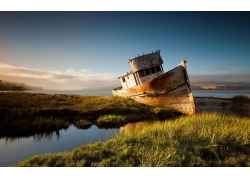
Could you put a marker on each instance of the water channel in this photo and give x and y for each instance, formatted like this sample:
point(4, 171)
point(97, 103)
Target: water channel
point(14, 150)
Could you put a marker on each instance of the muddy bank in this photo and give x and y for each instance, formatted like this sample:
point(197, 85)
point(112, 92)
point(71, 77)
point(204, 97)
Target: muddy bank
point(226, 106)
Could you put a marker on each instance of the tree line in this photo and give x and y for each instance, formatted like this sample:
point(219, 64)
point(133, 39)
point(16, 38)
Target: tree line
point(7, 86)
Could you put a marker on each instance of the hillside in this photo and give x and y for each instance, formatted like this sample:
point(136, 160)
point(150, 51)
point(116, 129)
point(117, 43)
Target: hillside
point(220, 85)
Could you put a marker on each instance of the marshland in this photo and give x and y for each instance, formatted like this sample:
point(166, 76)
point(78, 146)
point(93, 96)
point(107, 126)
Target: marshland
point(213, 137)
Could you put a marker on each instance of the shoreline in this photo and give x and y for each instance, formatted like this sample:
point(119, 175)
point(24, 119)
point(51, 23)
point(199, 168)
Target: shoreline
point(219, 104)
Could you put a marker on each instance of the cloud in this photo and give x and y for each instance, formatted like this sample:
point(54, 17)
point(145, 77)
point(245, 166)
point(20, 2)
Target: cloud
point(226, 67)
point(70, 80)
point(55, 79)
point(70, 70)
point(85, 71)
point(218, 68)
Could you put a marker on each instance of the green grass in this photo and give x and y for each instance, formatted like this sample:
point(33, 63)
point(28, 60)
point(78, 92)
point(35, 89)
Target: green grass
point(109, 120)
point(82, 124)
point(200, 140)
point(24, 114)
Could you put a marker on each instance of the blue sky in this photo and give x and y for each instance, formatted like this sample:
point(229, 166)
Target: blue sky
point(74, 50)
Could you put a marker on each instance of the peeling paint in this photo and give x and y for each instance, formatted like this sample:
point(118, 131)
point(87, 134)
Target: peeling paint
point(170, 90)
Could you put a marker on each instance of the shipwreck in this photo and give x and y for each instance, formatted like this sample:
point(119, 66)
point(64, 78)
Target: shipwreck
point(148, 84)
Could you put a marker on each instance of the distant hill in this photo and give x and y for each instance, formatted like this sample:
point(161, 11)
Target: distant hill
point(220, 85)
point(6, 86)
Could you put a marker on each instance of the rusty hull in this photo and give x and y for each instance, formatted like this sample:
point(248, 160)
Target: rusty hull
point(170, 90)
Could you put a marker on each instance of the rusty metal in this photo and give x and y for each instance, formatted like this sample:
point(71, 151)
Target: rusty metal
point(170, 90)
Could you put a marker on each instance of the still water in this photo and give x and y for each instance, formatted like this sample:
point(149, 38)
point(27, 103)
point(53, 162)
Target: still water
point(11, 152)
point(219, 93)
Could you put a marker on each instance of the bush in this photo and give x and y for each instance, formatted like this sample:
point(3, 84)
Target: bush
point(111, 120)
point(83, 124)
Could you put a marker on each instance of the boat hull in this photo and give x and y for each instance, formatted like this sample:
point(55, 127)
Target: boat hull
point(170, 90)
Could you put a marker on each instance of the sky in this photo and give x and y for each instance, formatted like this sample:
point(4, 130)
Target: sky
point(68, 50)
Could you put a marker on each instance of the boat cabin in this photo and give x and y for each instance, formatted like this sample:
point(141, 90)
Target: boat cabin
point(144, 68)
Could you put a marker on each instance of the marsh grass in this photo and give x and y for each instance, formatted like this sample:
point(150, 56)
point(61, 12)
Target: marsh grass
point(241, 98)
point(83, 124)
point(26, 114)
point(200, 140)
point(111, 120)
point(241, 104)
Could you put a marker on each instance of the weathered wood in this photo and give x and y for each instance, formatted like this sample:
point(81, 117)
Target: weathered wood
point(170, 90)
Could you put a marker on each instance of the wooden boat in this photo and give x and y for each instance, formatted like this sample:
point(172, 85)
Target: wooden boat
point(148, 84)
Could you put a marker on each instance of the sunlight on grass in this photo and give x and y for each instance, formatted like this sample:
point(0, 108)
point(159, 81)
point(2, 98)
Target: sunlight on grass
point(199, 140)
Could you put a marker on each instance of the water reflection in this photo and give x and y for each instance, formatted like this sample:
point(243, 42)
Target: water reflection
point(10, 137)
point(37, 137)
point(46, 136)
point(137, 126)
point(63, 140)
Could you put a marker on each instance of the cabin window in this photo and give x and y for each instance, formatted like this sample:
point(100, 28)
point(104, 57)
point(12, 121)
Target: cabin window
point(141, 73)
point(153, 70)
point(123, 79)
point(147, 71)
point(158, 68)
